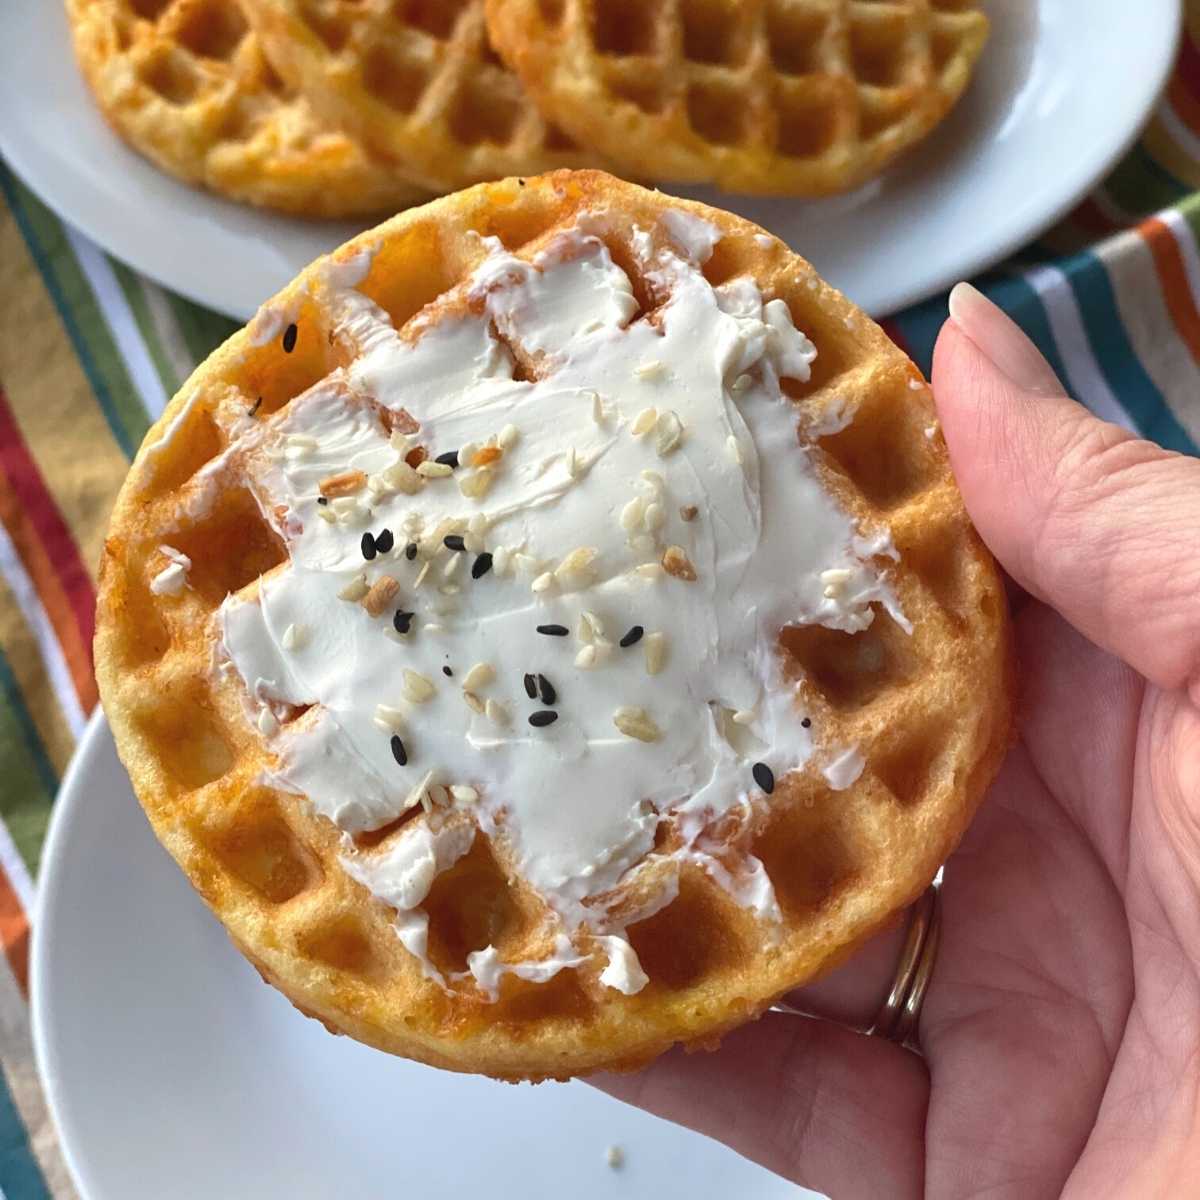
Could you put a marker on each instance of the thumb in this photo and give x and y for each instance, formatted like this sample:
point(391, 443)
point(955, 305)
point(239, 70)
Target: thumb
point(1098, 523)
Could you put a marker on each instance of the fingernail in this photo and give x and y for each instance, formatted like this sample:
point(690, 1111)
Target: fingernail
point(1001, 340)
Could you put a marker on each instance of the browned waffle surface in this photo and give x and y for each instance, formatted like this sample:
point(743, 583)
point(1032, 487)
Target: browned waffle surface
point(418, 81)
point(804, 97)
point(186, 84)
point(930, 711)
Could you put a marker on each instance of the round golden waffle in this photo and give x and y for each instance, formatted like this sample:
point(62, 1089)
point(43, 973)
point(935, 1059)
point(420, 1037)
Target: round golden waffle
point(418, 82)
point(800, 97)
point(930, 711)
point(186, 84)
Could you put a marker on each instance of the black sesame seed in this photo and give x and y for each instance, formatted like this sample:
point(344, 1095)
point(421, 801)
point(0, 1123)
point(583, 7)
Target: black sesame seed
point(398, 751)
point(253, 410)
point(384, 541)
point(542, 718)
point(368, 546)
point(546, 690)
point(530, 686)
point(402, 621)
point(764, 777)
point(553, 630)
point(410, 551)
point(449, 674)
point(632, 637)
point(322, 500)
point(449, 459)
point(806, 723)
point(481, 566)
point(454, 542)
point(289, 338)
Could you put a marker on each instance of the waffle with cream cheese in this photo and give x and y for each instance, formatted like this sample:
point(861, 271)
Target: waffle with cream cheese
point(418, 82)
point(550, 631)
point(186, 84)
point(801, 97)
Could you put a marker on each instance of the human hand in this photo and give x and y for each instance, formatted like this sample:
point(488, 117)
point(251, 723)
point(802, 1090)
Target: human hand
point(1061, 1031)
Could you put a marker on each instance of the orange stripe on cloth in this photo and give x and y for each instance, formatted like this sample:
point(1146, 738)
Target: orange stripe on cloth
point(1172, 274)
point(14, 932)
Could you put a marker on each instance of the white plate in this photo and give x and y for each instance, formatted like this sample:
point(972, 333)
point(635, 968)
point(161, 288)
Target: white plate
point(1058, 97)
point(174, 1071)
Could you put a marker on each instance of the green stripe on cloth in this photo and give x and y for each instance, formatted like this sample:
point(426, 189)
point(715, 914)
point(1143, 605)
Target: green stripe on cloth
point(30, 781)
point(1115, 355)
point(81, 316)
point(132, 286)
point(1141, 186)
point(20, 1176)
point(202, 330)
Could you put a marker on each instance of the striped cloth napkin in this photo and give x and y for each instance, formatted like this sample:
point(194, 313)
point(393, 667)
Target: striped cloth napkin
point(90, 352)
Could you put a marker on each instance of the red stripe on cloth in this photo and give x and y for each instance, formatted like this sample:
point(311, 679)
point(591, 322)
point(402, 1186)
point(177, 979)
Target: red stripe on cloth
point(1088, 217)
point(42, 515)
point(1185, 79)
point(1172, 274)
point(14, 932)
point(48, 553)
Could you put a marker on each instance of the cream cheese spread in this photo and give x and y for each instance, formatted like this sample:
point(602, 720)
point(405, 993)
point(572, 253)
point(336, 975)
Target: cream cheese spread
point(560, 627)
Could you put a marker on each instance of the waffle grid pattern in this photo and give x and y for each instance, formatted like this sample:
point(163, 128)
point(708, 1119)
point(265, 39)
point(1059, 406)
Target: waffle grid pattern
point(793, 96)
point(187, 84)
point(929, 711)
point(418, 81)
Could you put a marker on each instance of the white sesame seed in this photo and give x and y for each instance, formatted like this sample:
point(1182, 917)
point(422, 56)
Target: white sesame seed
point(651, 370)
point(355, 590)
point(473, 702)
point(543, 583)
point(655, 480)
point(636, 723)
point(656, 517)
point(590, 628)
point(916, 385)
point(476, 484)
point(466, 452)
point(655, 651)
point(413, 523)
point(480, 675)
point(463, 794)
point(392, 718)
point(743, 716)
point(478, 524)
point(650, 570)
point(302, 441)
point(326, 515)
point(452, 564)
point(422, 573)
point(586, 658)
point(631, 514)
point(571, 462)
point(743, 383)
point(597, 408)
point(419, 793)
point(267, 725)
point(433, 627)
point(501, 561)
point(294, 636)
point(472, 543)
point(614, 1156)
point(496, 712)
point(434, 470)
point(400, 442)
point(668, 433)
point(577, 566)
point(343, 504)
point(449, 589)
point(735, 449)
point(403, 478)
point(525, 563)
point(508, 437)
point(644, 422)
point(417, 688)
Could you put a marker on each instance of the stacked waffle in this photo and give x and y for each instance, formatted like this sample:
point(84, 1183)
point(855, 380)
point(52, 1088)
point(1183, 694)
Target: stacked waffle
point(347, 107)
